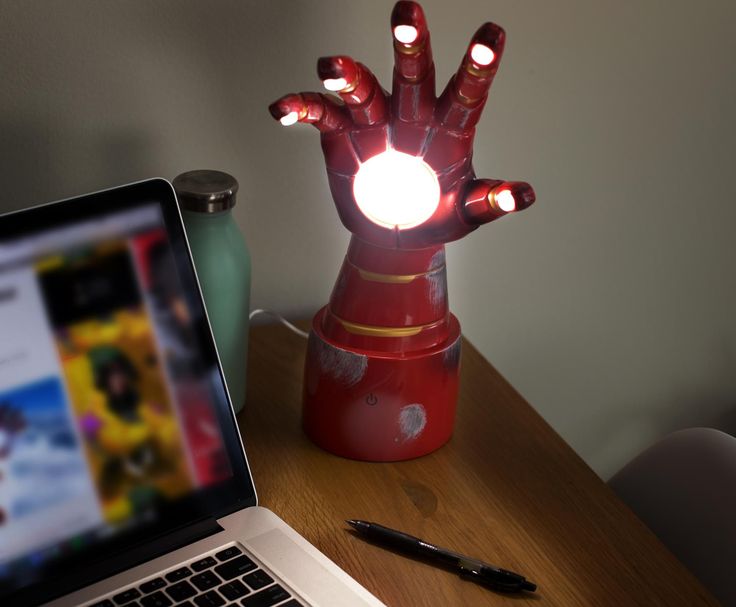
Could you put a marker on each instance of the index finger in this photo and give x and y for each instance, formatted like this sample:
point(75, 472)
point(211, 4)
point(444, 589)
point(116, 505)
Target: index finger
point(462, 101)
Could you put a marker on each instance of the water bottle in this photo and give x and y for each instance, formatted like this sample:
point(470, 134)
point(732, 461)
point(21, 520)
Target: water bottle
point(222, 260)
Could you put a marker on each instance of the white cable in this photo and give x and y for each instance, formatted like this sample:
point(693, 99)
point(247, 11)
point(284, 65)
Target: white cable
point(281, 319)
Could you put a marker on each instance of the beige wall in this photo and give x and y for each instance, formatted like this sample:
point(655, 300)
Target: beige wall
point(611, 304)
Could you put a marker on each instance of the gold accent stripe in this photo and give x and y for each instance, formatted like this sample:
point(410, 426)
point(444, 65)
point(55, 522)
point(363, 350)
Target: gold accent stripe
point(409, 49)
point(352, 86)
point(373, 331)
point(396, 279)
point(464, 99)
point(480, 73)
point(400, 279)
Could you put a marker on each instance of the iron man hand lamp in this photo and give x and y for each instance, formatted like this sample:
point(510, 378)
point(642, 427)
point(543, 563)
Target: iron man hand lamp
point(382, 366)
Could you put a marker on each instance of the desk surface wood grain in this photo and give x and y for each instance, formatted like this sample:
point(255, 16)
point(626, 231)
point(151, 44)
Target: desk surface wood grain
point(506, 489)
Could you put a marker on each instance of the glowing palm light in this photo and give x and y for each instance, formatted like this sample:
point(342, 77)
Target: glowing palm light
point(505, 201)
point(481, 54)
point(406, 34)
point(289, 119)
point(396, 189)
point(335, 84)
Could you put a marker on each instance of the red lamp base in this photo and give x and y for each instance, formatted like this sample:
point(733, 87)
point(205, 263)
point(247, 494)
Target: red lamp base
point(380, 406)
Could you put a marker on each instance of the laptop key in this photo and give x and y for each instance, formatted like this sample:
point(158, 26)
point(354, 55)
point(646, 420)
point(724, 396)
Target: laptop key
point(235, 567)
point(205, 580)
point(126, 596)
point(178, 574)
point(157, 599)
point(181, 591)
point(265, 598)
point(291, 603)
point(203, 564)
point(228, 553)
point(103, 603)
point(258, 579)
point(233, 590)
point(209, 599)
point(151, 585)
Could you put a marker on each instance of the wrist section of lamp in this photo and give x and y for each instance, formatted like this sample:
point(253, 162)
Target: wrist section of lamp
point(394, 291)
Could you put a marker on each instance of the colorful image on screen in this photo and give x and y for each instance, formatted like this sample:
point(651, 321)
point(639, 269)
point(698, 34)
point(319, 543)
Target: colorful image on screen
point(108, 410)
point(115, 380)
point(43, 474)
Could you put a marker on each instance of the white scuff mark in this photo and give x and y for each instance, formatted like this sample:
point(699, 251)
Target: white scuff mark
point(451, 356)
point(346, 367)
point(412, 420)
point(438, 259)
point(438, 289)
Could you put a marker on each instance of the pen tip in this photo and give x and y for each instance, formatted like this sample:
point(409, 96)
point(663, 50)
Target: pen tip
point(530, 586)
point(352, 523)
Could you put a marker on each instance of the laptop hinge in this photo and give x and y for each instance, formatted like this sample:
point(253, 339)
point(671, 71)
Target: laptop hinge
point(155, 547)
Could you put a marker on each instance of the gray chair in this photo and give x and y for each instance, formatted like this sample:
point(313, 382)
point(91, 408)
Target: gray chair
point(684, 489)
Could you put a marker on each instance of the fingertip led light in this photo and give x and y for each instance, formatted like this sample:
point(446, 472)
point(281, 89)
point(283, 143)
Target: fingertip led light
point(505, 201)
point(481, 54)
point(335, 84)
point(289, 119)
point(406, 34)
point(394, 189)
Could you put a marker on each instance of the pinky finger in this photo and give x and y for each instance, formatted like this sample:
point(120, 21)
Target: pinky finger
point(324, 112)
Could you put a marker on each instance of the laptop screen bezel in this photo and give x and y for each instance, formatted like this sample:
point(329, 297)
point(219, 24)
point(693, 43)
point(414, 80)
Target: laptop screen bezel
point(229, 496)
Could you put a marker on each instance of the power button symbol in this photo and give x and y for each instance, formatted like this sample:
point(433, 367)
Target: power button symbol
point(371, 399)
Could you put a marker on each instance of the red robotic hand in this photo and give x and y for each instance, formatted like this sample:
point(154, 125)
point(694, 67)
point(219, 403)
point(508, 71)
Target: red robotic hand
point(400, 165)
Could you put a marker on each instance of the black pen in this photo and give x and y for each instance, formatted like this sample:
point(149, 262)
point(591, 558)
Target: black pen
point(465, 566)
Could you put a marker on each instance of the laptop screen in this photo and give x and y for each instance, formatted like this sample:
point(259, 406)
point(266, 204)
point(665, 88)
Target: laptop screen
point(113, 416)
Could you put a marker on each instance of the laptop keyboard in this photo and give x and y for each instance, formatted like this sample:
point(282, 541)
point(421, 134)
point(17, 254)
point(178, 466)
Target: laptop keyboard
point(227, 578)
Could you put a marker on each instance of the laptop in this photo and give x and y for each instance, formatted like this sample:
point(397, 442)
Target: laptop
point(123, 479)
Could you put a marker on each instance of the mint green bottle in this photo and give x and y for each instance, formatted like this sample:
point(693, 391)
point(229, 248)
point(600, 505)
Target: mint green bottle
point(222, 260)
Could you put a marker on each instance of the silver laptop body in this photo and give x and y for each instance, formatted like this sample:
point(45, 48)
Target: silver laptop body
point(123, 479)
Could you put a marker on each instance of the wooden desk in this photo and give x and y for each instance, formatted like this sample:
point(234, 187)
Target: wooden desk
point(506, 489)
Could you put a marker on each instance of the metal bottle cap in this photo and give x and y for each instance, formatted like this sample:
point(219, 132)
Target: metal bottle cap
point(205, 191)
